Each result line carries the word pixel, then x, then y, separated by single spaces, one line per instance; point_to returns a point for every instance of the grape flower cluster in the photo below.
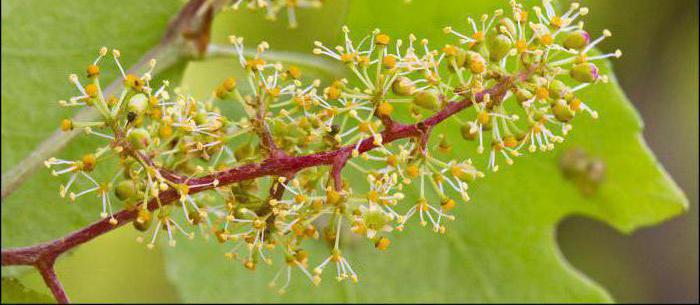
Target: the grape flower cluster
pixel 277 172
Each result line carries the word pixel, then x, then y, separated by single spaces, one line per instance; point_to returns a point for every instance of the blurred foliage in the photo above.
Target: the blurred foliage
pixel 123 263
pixel 15 292
pixel 659 71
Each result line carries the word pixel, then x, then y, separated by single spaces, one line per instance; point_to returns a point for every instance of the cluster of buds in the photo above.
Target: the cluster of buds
pixel 273 7
pixel 520 73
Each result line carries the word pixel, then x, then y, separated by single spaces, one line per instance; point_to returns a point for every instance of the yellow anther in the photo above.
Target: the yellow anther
pixel 382 39
pixel 382 244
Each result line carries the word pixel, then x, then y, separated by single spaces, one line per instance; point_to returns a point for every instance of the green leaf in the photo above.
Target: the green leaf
pixel 42 43
pixel 502 246
pixel 314 24
pixel 14 292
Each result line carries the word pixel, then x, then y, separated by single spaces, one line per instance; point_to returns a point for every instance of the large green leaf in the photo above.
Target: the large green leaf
pixel 502 245
pixel 42 42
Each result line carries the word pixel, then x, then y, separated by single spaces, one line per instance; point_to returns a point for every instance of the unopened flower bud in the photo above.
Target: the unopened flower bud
pixel 577 40
pixel 499 46
pixel 403 86
pixel 584 72
pixel 427 99
pixel 139 138
pixel 138 103
pixel 523 95
pixel 557 89
pixel 125 189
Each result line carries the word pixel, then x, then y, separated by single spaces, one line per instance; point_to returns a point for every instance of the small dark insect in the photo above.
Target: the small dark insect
pixel 334 130
pixel 131 116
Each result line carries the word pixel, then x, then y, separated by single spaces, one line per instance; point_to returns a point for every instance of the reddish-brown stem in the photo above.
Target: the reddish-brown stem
pixel 43 255
pixel 278 166
pixel 49 275
pixel 386 120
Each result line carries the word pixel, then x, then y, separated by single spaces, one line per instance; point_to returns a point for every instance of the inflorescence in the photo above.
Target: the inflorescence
pixel 520 71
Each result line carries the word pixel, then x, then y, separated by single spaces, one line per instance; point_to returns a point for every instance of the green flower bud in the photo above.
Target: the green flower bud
pixel 125 189
pixel 139 138
pixel 138 103
pixel 577 40
pixel 557 89
pixel 499 46
pixel 427 99
pixel 584 72
pixel 523 95
pixel 562 112
pixel 403 86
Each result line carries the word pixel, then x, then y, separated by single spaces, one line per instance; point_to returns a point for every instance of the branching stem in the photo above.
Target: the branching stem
pixel 277 164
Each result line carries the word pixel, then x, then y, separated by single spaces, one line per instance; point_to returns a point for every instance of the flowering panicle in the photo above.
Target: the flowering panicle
pixel 520 71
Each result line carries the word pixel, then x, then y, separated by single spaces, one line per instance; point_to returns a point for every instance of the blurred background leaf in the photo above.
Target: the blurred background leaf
pixel 14 292
pixel 600 254
pixel 659 72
